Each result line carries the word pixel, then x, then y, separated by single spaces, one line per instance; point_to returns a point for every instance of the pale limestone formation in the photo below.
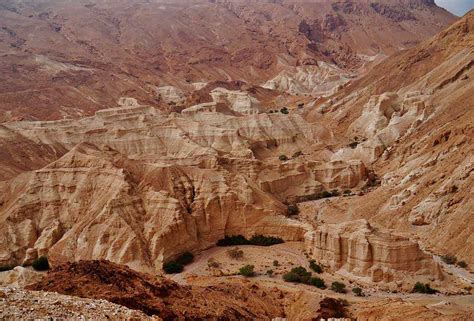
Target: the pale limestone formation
pixel 361 250
pixel 239 101
pixel 130 179
pixel 321 80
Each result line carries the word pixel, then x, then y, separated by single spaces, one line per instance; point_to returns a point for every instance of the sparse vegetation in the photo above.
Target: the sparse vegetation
pixel 40 264
pixel 347 192
pixel 247 270
pixel 211 263
pixel 177 266
pixel 297 154
pixel 258 240
pixel 262 240
pixel 338 287
pixel 298 275
pixel 235 253
pixel 283 158
pixel 317 196
pixel 173 267
pixel 270 272
pixel 285 111
pixel 4 268
pixel 293 210
pixel 462 264
pixel 357 291
pixel 317 282
pixel 423 288
pixel 276 263
pixel 185 258
pixel 315 267
pixel 449 259
pixel 233 240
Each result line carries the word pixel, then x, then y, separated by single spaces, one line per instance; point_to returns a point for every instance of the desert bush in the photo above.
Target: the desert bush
pixel 285 111
pixel 462 264
pixel 283 158
pixel 449 259
pixel 211 263
pixel 293 210
pixel 291 277
pixel 338 287
pixel 326 194
pixel 347 192
pixel 298 275
pixel 259 240
pixel 185 258
pixel 423 288
pixel 297 154
pixel 173 267
pixel 317 282
pixel 235 253
pixel 335 192
pixel 315 267
pixel 357 291
pixel 269 272
pixel 4 268
pixel 262 240
pixel 276 263
pixel 40 264
pixel 247 270
pixel 233 240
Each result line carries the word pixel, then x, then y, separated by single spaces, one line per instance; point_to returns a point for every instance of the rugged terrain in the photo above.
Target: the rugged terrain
pixel 71 58
pixel 341 127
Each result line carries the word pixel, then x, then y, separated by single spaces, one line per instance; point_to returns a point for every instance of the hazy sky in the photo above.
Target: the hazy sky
pixel 458 7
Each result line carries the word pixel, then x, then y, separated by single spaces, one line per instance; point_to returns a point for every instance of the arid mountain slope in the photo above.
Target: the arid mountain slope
pixel 412 116
pixel 159 296
pixel 71 58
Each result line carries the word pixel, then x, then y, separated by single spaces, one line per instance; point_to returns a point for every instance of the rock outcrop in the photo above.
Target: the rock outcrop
pixel 359 249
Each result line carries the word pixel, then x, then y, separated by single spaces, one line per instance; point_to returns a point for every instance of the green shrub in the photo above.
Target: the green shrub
pixel 247 270
pixel 4 268
pixel 335 192
pixel 233 240
pixel 235 253
pixel 462 264
pixel 283 158
pixel 449 259
pixel 276 263
pixel 41 264
pixel 338 287
pixel 293 210
pixel 298 275
pixel 326 194
pixel 423 288
pixel 211 263
pixel 291 277
pixel 317 282
pixel 315 267
pixel 285 111
pixel 357 291
pixel 173 267
pixel 269 272
pixel 261 240
pixel 185 258
pixel 297 154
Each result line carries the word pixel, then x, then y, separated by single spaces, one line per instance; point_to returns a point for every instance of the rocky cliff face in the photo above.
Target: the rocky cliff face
pixel 359 249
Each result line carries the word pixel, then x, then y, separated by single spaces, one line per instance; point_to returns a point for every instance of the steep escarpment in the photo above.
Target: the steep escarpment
pixel 359 249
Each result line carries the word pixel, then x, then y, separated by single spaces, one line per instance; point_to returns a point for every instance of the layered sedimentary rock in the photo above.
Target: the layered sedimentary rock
pixel 130 179
pixel 359 249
